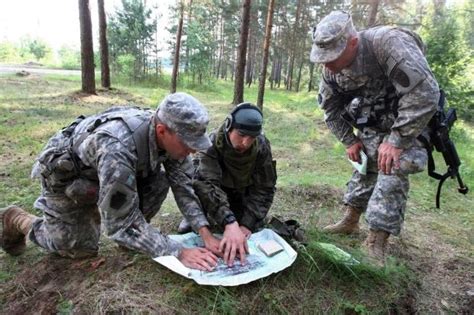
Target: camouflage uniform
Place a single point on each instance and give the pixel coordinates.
(390, 71)
(230, 183)
(92, 173)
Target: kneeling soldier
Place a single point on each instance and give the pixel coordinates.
(116, 168)
(235, 180)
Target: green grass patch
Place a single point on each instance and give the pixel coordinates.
(312, 172)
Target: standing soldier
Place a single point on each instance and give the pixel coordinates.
(379, 82)
(116, 168)
(235, 181)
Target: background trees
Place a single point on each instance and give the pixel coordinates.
(266, 47)
(211, 33)
(241, 52)
(212, 29)
(87, 51)
(451, 57)
(131, 33)
(104, 46)
(179, 32)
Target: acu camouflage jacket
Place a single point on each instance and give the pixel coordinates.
(109, 155)
(389, 65)
(216, 170)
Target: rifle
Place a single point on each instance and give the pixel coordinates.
(439, 126)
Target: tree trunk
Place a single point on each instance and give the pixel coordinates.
(104, 46)
(302, 57)
(266, 47)
(311, 73)
(250, 61)
(221, 48)
(174, 75)
(272, 73)
(240, 67)
(87, 50)
(294, 48)
(190, 16)
(287, 72)
(373, 12)
(298, 77)
(278, 72)
(439, 6)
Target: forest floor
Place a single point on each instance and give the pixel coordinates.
(430, 265)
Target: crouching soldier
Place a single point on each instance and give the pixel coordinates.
(235, 181)
(116, 168)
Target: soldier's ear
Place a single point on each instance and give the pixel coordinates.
(160, 129)
(353, 41)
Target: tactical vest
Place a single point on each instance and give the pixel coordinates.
(378, 93)
(137, 124)
(61, 170)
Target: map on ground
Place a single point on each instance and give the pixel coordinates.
(258, 264)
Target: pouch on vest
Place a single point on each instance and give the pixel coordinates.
(57, 165)
(58, 169)
(83, 191)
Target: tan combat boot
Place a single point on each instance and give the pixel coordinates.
(15, 223)
(348, 224)
(376, 244)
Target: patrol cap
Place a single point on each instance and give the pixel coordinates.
(186, 116)
(330, 37)
(248, 119)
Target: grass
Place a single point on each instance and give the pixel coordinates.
(312, 171)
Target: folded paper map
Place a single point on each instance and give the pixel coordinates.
(258, 265)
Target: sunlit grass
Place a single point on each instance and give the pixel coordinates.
(312, 173)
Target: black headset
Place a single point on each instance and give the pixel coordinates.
(230, 118)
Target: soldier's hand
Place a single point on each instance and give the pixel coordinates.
(389, 156)
(234, 244)
(210, 241)
(246, 231)
(353, 152)
(212, 244)
(198, 258)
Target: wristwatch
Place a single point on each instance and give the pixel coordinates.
(229, 219)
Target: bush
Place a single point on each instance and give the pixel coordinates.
(8, 52)
(69, 58)
(450, 58)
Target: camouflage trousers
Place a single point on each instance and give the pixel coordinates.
(72, 227)
(384, 197)
(237, 201)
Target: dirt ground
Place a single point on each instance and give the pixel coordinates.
(45, 284)
(444, 285)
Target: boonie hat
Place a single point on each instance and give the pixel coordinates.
(186, 116)
(330, 37)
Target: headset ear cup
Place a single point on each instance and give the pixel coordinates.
(228, 123)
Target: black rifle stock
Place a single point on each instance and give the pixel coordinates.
(440, 125)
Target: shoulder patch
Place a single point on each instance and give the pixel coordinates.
(404, 77)
(117, 200)
(400, 77)
(323, 95)
(120, 198)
